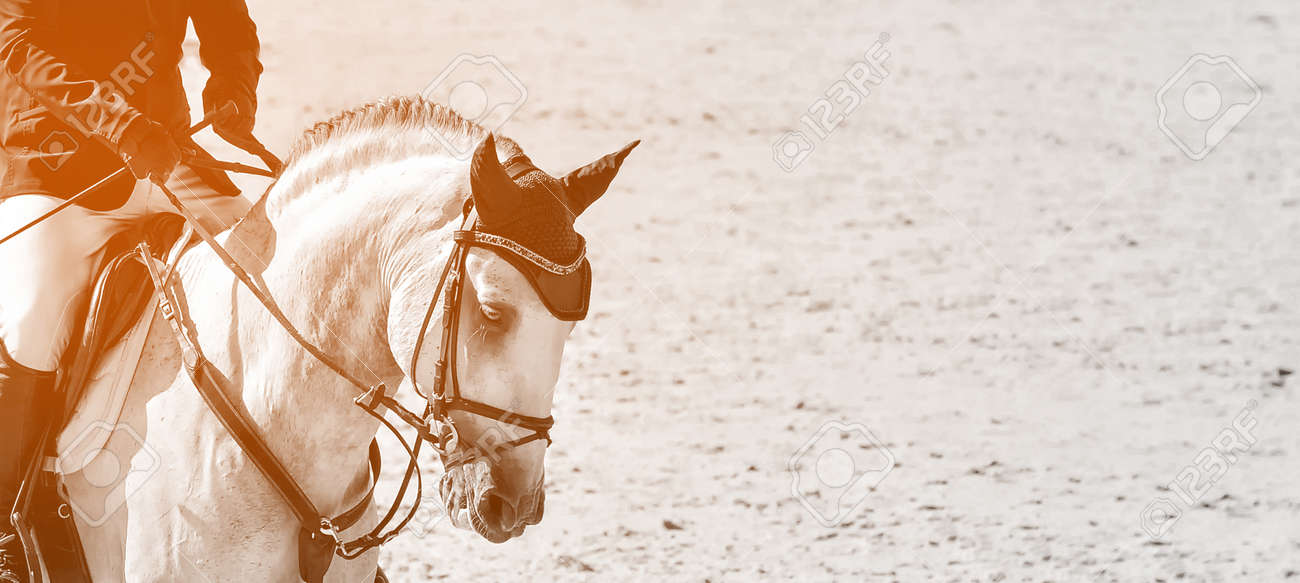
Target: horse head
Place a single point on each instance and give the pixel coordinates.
(518, 281)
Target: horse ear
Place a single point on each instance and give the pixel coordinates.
(584, 185)
(496, 196)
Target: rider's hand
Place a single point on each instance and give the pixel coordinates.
(216, 94)
(149, 151)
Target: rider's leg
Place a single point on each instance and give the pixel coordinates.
(46, 271)
(21, 391)
(43, 276)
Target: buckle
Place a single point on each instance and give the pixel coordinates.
(327, 528)
(372, 398)
(442, 434)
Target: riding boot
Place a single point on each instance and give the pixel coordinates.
(21, 389)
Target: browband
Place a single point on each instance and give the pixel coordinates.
(518, 166)
(498, 241)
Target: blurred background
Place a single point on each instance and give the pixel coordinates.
(1030, 301)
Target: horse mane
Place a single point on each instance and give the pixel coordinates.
(396, 112)
(386, 129)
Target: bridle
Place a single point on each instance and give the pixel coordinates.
(446, 396)
(439, 429)
(435, 425)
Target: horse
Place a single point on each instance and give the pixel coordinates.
(349, 241)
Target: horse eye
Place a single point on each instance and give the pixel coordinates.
(490, 313)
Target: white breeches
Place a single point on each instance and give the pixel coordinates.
(45, 272)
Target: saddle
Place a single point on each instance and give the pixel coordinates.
(119, 297)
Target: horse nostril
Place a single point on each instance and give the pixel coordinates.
(495, 507)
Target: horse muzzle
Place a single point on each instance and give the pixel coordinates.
(473, 501)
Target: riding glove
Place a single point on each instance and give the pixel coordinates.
(149, 151)
(216, 94)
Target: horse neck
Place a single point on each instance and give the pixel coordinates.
(330, 257)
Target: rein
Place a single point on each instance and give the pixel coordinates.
(319, 538)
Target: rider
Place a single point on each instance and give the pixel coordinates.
(86, 86)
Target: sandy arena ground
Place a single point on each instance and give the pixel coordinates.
(997, 263)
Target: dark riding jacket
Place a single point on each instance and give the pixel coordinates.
(79, 75)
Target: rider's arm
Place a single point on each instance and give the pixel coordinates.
(90, 106)
(228, 48)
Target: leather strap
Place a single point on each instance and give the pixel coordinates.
(518, 166)
(227, 166)
(351, 516)
(211, 386)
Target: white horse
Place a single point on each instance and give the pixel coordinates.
(350, 241)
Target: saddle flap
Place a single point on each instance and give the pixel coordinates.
(103, 394)
(97, 371)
